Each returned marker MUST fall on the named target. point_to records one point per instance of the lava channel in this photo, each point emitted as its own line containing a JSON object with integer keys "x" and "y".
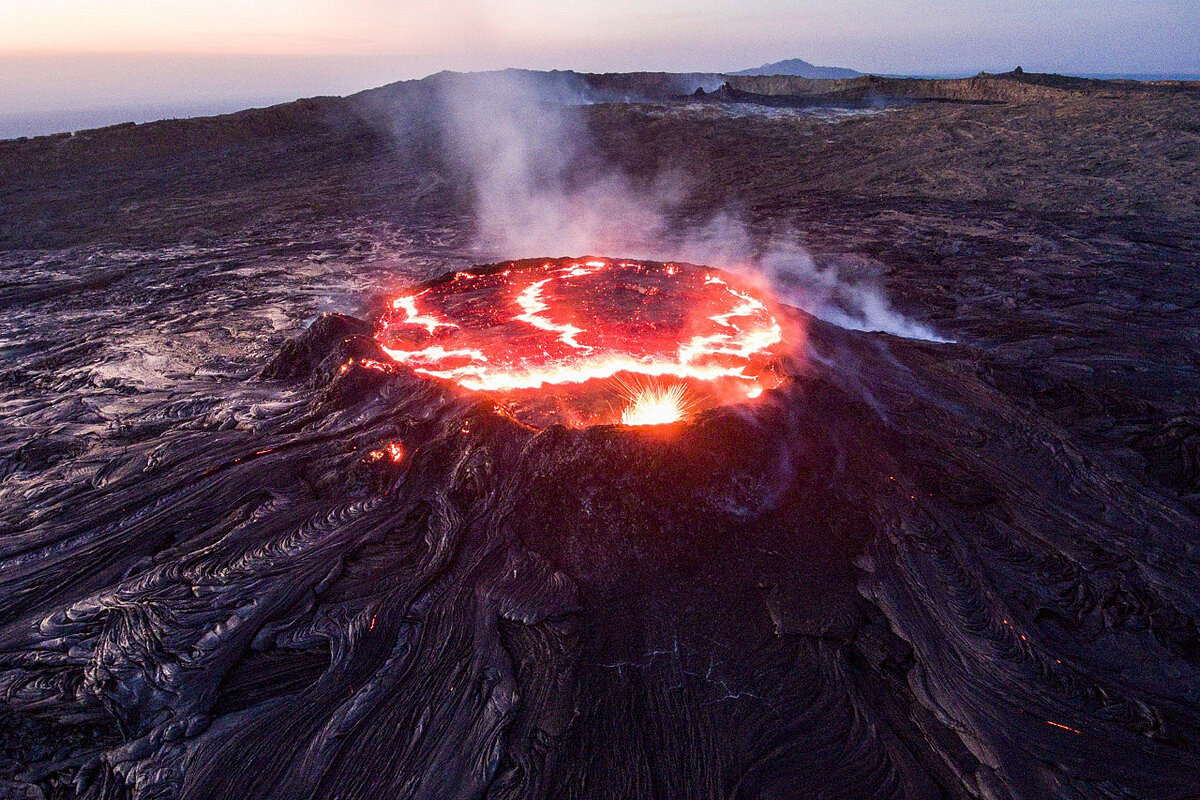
{"x": 591, "y": 341}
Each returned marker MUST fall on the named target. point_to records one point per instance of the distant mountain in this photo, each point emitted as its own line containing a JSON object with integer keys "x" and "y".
{"x": 801, "y": 68}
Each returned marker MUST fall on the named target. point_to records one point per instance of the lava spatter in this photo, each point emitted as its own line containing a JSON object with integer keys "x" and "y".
{"x": 557, "y": 338}
{"x": 656, "y": 405}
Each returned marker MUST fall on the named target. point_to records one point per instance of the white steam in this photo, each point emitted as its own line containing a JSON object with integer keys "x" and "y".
{"x": 854, "y": 302}
{"x": 541, "y": 189}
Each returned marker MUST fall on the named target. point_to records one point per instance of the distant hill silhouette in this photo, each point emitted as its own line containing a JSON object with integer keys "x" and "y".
{"x": 801, "y": 68}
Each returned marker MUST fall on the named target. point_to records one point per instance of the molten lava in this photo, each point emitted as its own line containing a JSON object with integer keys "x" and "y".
{"x": 557, "y": 339}
{"x": 656, "y": 405}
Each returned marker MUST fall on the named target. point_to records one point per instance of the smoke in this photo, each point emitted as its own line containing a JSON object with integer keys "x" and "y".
{"x": 845, "y": 300}
{"x": 844, "y": 292}
{"x": 541, "y": 188}
{"x": 539, "y": 185}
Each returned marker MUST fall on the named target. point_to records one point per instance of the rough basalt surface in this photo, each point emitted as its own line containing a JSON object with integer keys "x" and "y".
{"x": 916, "y": 569}
{"x": 884, "y": 580}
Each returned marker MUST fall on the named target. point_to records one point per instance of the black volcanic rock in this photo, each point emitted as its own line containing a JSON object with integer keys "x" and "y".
{"x": 886, "y": 580}
{"x": 300, "y": 357}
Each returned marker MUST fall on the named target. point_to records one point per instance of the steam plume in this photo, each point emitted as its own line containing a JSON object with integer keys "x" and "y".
{"x": 540, "y": 187}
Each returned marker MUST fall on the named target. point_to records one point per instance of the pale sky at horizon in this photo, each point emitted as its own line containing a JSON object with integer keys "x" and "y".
{"x": 58, "y": 55}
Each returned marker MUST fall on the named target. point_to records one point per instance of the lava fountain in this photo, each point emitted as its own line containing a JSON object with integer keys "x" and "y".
{"x": 656, "y": 405}
{"x": 591, "y": 341}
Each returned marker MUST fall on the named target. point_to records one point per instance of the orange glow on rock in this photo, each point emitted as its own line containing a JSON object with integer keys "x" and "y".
{"x": 393, "y": 451}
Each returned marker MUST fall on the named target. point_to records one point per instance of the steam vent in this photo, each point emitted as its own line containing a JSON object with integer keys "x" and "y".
{"x": 443, "y": 558}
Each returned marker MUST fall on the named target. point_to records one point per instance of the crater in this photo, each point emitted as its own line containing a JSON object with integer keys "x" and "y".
{"x": 592, "y": 341}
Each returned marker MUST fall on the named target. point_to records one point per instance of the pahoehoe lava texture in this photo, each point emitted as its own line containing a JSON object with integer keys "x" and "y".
{"x": 915, "y": 569}
{"x": 903, "y": 591}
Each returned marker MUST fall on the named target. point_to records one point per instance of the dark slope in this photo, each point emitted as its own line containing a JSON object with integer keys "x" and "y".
{"x": 889, "y": 581}
{"x": 1125, "y": 150}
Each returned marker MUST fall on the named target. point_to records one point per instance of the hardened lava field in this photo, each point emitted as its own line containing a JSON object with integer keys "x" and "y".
{"x": 245, "y": 554}
{"x": 591, "y": 341}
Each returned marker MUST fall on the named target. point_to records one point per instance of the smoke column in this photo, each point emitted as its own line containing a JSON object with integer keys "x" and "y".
{"x": 540, "y": 188}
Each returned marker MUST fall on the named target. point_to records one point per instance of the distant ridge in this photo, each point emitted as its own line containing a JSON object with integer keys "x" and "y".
{"x": 800, "y": 68}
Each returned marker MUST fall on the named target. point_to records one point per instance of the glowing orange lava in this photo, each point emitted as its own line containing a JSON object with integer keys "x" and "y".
{"x": 393, "y": 450}
{"x": 656, "y": 405}
{"x": 555, "y": 338}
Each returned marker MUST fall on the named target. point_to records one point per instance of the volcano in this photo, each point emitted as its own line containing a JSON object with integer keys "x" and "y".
{"x": 852, "y": 586}
{"x": 305, "y": 493}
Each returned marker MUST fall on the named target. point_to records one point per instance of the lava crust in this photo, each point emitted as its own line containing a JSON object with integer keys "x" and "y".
{"x": 591, "y": 340}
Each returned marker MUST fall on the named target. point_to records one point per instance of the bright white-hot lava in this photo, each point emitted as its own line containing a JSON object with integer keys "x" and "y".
{"x": 656, "y": 405}
{"x": 533, "y": 306}
{"x": 408, "y": 304}
{"x": 570, "y": 327}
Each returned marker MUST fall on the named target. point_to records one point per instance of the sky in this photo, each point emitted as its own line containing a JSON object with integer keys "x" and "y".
{"x": 71, "y": 62}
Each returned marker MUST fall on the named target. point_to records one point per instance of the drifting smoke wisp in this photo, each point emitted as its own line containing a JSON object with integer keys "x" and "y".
{"x": 855, "y": 303}
{"x": 541, "y": 187}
